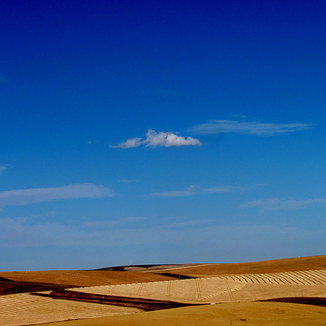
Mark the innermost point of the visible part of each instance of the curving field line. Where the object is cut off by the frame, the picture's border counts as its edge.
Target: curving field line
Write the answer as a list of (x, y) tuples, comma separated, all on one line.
[(236, 287)]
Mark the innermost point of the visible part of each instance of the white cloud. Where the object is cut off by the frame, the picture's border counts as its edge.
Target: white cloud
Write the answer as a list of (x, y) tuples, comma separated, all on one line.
[(276, 203), (247, 127), (38, 195), (3, 168), (193, 190), (159, 139), (168, 139), (130, 143)]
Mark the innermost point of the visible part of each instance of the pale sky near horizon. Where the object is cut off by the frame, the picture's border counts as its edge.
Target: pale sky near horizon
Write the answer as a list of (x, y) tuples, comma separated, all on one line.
[(144, 132)]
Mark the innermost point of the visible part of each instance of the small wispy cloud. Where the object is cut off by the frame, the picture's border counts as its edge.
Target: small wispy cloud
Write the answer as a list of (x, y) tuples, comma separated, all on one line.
[(191, 190), (247, 127), (3, 168), (225, 189), (194, 190), (276, 203), (159, 139), (38, 195), (130, 143)]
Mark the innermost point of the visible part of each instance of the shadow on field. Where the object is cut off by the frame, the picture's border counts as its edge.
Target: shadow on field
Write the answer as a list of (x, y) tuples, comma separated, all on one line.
[(139, 303), (12, 287), (315, 301)]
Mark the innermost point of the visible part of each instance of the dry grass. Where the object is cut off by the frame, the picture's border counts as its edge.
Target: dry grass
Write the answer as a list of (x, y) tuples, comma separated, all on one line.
[(231, 314)]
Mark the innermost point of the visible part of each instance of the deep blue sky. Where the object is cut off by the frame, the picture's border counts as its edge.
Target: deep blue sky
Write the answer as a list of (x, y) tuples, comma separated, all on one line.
[(233, 169)]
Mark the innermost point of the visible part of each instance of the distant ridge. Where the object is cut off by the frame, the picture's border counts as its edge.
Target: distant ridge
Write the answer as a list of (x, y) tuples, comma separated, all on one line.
[(267, 266), (125, 268), (263, 266)]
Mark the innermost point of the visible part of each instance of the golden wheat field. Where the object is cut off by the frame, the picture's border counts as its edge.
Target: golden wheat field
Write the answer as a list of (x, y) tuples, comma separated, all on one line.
[(83, 278), (230, 314), (238, 287), (223, 294), (27, 309)]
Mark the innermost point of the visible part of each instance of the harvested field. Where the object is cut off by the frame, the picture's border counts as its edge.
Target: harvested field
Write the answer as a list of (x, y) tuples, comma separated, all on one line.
[(83, 278), (103, 293), (245, 287), (234, 314), (27, 309)]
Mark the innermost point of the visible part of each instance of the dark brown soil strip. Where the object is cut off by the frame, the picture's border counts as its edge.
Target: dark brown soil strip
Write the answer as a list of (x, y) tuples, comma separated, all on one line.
[(2, 279), (178, 276), (12, 287), (316, 301), (140, 303)]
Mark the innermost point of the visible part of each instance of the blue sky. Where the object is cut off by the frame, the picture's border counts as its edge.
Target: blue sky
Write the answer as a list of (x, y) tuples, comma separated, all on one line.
[(138, 132)]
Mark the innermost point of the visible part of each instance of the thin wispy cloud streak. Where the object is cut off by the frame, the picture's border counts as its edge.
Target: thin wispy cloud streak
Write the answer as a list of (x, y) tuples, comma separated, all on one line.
[(247, 127), (195, 190), (130, 143), (224, 189), (175, 193), (159, 139), (276, 203), (38, 195)]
